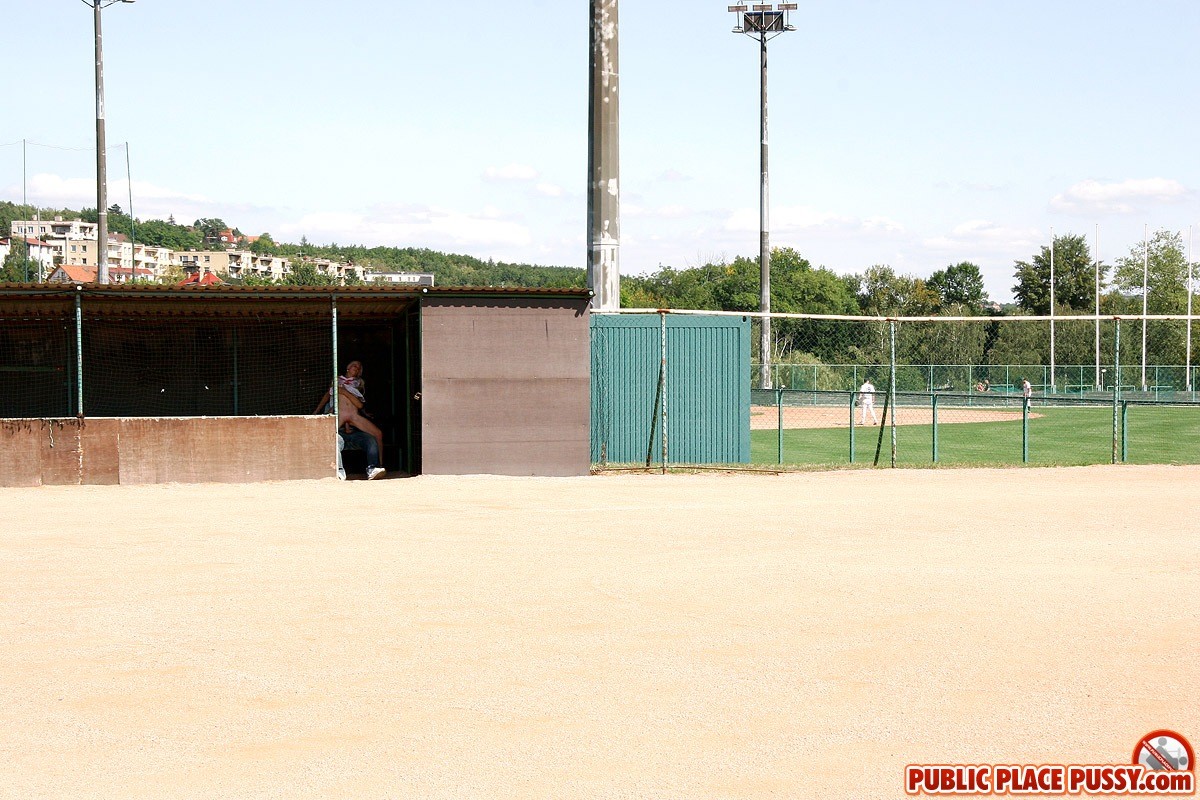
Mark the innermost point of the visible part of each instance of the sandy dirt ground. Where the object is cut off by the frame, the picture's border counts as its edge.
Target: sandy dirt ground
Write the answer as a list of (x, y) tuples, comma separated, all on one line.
[(767, 417), (684, 636)]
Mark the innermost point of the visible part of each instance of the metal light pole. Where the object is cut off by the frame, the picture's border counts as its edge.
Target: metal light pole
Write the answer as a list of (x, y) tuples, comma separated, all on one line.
[(1096, 255), (101, 166), (1051, 313), (763, 22), (604, 160), (1145, 295)]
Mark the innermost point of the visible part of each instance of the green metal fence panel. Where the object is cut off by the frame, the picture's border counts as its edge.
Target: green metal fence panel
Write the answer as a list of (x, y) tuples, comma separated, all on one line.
[(707, 389)]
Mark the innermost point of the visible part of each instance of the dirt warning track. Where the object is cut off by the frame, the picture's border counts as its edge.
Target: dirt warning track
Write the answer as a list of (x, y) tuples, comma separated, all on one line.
[(740, 636)]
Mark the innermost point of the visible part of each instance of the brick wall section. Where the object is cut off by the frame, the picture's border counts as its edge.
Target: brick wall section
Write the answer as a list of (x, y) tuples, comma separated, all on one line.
[(36, 452)]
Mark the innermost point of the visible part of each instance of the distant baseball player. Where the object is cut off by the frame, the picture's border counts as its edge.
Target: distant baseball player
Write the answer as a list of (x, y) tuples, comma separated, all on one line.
[(1026, 389), (866, 399)]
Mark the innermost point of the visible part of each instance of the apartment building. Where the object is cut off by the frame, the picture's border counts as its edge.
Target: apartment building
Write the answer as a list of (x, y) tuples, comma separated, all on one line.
[(407, 278), (72, 243), (39, 252), (57, 228), (74, 274)]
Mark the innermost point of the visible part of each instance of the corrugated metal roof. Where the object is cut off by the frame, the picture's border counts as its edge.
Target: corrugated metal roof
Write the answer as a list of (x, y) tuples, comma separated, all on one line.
[(282, 292)]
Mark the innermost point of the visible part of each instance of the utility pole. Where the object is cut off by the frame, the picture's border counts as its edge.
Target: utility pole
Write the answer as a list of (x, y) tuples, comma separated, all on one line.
[(764, 23), (101, 164), (604, 159)]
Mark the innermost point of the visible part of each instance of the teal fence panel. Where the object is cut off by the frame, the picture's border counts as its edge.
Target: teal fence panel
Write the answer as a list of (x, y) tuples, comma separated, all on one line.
[(707, 389)]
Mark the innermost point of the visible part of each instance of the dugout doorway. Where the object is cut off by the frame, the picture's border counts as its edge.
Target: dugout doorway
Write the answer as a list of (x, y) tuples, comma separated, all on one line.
[(388, 345)]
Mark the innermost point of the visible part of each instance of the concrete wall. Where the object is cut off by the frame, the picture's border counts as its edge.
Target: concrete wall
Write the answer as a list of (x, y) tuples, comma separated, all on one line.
[(36, 452), (504, 386)]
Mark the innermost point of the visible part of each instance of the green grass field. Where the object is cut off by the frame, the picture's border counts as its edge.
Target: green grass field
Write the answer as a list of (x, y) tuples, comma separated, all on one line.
[(1061, 436)]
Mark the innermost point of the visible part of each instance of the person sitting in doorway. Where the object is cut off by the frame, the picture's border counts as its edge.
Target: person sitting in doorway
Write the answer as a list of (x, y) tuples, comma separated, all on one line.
[(356, 431)]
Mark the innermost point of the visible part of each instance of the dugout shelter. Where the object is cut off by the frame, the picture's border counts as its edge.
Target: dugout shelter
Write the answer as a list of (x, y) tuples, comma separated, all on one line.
[(152, 384)]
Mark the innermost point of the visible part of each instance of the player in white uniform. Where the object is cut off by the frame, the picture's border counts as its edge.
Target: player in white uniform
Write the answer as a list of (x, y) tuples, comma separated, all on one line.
[(866, 399)]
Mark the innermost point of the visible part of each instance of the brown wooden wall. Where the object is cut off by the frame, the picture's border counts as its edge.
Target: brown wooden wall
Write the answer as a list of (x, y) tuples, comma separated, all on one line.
[(505, 386), (35, 452)]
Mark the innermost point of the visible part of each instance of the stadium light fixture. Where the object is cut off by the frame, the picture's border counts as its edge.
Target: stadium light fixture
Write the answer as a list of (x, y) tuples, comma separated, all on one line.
[(101, 164), (763, 21)]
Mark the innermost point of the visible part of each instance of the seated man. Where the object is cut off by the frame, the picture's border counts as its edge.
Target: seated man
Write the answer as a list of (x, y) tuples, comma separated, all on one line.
[(351, 438)]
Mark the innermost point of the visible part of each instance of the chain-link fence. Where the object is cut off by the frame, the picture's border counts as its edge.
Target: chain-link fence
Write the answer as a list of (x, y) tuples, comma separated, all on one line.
[(971, 391), (68, 352)]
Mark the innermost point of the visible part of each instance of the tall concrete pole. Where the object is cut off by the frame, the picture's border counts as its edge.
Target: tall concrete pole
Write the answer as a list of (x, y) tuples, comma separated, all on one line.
[(604, 164), (764, 227), (101, 165)]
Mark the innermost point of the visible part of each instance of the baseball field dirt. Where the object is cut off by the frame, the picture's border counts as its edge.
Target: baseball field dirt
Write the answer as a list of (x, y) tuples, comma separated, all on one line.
[(804, 635)]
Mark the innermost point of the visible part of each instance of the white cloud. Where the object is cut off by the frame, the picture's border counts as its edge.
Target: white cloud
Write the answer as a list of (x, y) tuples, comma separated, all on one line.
[(674, 176), (510, 172), (550, 190), (978, 234), (786, 219), (1125, 197), (405, 226), (150, 201)]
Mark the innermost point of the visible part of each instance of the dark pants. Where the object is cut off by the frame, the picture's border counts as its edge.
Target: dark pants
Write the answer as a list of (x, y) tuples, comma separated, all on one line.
[(354, 439)]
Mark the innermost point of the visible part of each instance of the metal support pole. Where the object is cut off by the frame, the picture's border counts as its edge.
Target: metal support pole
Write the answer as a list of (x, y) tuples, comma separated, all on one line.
[(1052, 304), (892, 390), (79, 351), (1124, 431), (1116, 392), (663, 344), (1096, 255), (132, 220), (852, 396), (24, 210), (779, 409), (101, 165), (764, 246), (1145, 297), (1024, 430), (1188, 356), (333, 386), (235, 371), (935, 441), (604, 156)]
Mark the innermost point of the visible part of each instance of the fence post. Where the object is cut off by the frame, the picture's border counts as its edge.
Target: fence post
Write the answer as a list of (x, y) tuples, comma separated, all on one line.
[(78, 351), (892, 389), (1116, 391), (1024, 430), (333, 387), (852, 395), (663, 344), (935, 449), (779, 407), (1124, 431)]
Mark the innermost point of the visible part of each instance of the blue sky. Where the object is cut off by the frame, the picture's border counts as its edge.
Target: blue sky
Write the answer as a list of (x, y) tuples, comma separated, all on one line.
[(914, 134)]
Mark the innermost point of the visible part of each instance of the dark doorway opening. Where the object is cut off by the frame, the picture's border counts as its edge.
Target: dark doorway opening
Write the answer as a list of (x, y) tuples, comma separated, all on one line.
[(388, 347)]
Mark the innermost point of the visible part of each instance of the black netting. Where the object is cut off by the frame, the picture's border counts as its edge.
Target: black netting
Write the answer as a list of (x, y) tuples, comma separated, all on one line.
[(204, 366)]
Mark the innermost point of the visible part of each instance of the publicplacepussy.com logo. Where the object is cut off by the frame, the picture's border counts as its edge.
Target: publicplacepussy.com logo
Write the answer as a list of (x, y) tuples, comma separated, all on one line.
[(1163, 764)]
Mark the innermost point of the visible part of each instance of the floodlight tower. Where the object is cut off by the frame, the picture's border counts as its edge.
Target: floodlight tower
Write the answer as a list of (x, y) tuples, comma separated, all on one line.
[(101, 165), (604, 165), (764, 22)]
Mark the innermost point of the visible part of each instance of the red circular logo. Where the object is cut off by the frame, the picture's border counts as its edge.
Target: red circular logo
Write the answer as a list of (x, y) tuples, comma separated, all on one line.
[(1164, 750)]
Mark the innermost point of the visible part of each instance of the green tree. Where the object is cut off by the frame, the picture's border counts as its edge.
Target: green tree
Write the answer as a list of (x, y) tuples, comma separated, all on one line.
[(305, 273), (959, 284), (1167, 273), (210, 228), (883, 293), (263, 245), (1074, 277), (17, 268)]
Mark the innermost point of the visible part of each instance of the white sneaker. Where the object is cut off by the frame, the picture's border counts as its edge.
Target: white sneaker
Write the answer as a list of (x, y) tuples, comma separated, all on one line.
[(375, 472)]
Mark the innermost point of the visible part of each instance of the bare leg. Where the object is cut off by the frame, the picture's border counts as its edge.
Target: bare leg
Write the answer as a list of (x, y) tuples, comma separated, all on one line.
[(350, 415)]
